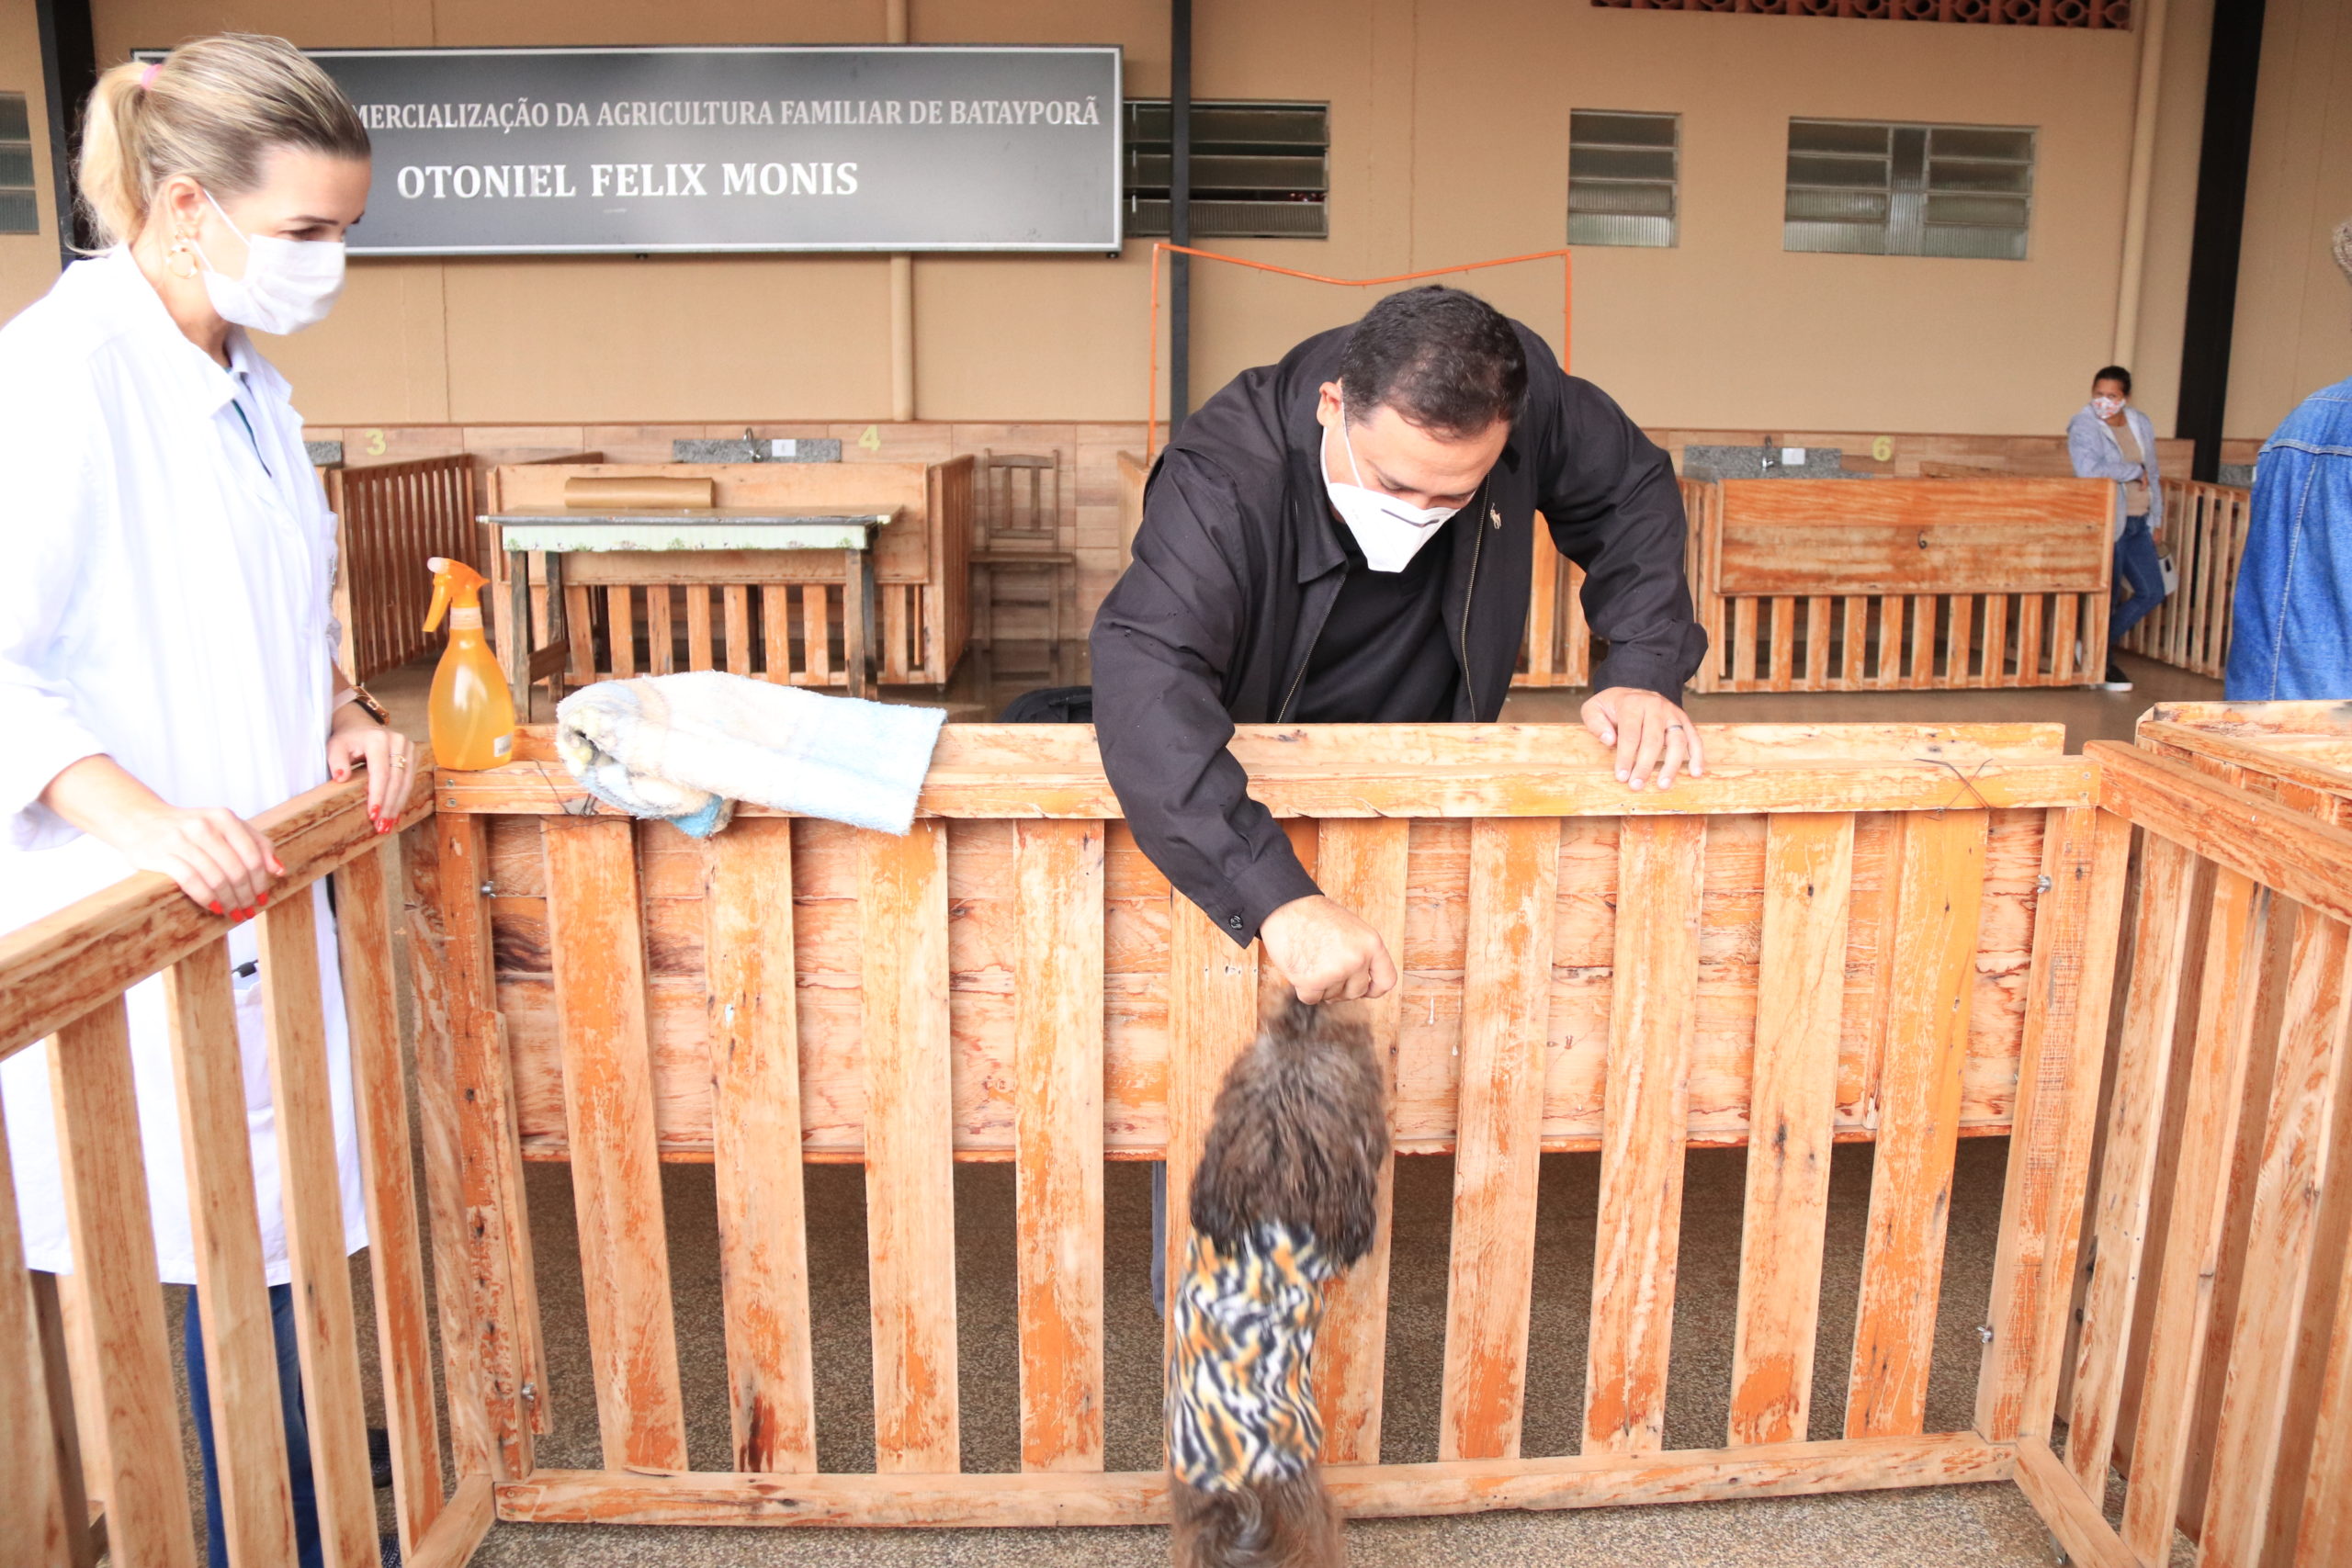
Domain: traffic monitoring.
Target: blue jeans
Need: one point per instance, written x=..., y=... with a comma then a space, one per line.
x=2139, y=579
x=298, y=1430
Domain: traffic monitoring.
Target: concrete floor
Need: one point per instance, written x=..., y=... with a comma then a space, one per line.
x=1982, y=1525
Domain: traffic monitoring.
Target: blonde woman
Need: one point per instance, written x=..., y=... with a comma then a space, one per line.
x=166, y=645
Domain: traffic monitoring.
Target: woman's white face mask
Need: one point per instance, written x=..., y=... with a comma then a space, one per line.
x=1389, y=533
x=287, y=284
x=2108, y=407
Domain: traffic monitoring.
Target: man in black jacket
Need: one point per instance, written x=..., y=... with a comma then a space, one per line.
x=1345, y=537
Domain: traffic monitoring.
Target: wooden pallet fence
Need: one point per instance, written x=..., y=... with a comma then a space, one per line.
x=393, y=518
x=2204, y=532
x=779, y=616
x=66, y=982
x=1828, y=937
x=2212, y=1369
x=1583, y=968
x=1841, y=585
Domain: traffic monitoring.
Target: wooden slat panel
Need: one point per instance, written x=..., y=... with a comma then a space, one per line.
x=1212, y=1016
x=1743, y=643
x=2255, y=1448
x=2323, y=1538
x=1913, y=535
x=34, y=1460
x=1889, y=642
x=325, y=1333
x=1808, y=876
x=816, y=603
x=699, y=655
x=1997, y=639
x=1784, y=642
x=2075, y=1521
x=2064, y=668
x=1858, y=636
x=114, y=1259
x=737, y=599
x=1361, y=867
x=380, y=1089
x=1817, y=643
x=1940, y=888
x=661, y=632
x=2076, y=933
x=775, y=623
x=239, y=1348
x=2029, y=671
x=1923, y=641
x=755, y=1144
x=597, y=954
x=431, y=981
x=1959, y=646
x=910, y=1169
x=1506, y=1008
x=2128, y=1171
x=1058, y=1132
x=620, y=630
x=2215, y=1121
x=1653, y=1013
x=580, y=629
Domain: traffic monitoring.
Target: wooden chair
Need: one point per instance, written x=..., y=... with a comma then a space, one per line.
x=1020, y=517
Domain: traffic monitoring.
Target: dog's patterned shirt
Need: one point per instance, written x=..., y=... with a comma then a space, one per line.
x=1241, y=1395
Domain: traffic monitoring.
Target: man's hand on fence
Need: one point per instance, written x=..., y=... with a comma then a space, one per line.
x=1653, y=736
x=1325, y=952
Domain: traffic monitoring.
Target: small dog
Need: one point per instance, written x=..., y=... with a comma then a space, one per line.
x=1284, y=1198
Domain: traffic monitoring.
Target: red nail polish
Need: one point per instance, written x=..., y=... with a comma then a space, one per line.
x=262, y=902
x=216, y=906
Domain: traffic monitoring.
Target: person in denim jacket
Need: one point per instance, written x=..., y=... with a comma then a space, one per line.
x=2108, y=439
x=2292, y=635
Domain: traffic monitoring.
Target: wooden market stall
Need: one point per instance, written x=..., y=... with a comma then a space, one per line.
x=783, y=614
x=1904, y=934
x=1839, y=585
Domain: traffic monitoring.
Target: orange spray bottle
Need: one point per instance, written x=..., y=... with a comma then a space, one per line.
x=471, y=716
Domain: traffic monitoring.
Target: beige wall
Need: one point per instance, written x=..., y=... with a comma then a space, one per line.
x=2294, y=311
x=1450, y=125
x=28, y=262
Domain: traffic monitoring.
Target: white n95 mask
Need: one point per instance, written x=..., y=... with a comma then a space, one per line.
x=2107, y=407
x=287, y=284
x=1389, y=533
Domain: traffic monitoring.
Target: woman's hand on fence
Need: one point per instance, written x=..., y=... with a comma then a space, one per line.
x=218, y=858
x=1653, y=737
x=1327, y=952
x=389, y=756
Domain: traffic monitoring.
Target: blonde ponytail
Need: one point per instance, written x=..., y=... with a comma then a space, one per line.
x=212, y=109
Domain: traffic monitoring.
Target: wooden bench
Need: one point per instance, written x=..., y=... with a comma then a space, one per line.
x=1837, y=585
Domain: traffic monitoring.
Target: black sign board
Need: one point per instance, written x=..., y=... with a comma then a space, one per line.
x=908, y=148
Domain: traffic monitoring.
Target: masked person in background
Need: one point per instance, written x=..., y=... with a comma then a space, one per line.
x=167, y=648
x=2109, y=439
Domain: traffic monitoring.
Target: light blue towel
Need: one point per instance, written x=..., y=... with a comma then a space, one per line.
x=685, y=748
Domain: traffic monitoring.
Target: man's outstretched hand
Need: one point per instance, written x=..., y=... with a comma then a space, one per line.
x=1325, y=952
x=1653, y=737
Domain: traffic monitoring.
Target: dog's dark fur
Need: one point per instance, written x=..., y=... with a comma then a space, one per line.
x=1299, y=1136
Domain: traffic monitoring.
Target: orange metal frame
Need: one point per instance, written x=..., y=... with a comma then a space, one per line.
x=1151, y=401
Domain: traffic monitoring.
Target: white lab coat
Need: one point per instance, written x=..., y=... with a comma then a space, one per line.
x=164, y=600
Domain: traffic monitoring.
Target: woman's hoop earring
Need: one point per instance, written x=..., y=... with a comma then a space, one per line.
x=182, y=249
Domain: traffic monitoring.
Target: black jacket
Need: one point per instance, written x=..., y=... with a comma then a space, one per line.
x=1239, y=560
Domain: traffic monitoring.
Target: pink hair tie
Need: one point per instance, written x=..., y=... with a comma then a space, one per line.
x=147, y=77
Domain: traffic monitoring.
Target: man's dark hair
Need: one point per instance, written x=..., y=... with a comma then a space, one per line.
x=2115, y=373
x=1446, y=361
